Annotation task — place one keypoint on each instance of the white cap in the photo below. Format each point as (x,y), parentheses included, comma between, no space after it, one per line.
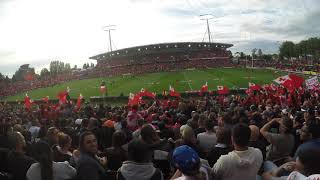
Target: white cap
(78,121)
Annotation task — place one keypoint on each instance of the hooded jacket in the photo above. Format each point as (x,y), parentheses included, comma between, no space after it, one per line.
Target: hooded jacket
(141,171)
(239,165)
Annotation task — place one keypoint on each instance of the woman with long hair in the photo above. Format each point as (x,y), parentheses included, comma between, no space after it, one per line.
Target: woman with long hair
(89,165)
(45,168)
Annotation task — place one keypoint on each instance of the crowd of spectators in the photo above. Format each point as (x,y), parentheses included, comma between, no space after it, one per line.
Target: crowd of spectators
(210,137)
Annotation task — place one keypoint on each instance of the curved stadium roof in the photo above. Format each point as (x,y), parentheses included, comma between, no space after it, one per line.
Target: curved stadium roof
(174,47)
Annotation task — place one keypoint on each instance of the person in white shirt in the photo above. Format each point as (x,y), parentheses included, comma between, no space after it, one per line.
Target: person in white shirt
(207,140)
(45,168)
(242,163)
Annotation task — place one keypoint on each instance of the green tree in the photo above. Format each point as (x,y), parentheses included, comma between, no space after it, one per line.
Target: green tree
(44,73)
(288,50)
(242,55)
(259,52)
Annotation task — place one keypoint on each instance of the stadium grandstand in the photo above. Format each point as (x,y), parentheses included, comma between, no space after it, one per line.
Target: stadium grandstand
(163,57)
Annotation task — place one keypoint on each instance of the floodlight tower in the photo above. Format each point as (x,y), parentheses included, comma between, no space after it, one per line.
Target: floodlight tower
(206,18)
(109,28)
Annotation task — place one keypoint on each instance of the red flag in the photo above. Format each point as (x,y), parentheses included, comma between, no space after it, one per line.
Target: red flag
(282,79)
(296,80)
(142,92)
(145,92)
(45,99)
(204,88)
(172,92)
(103,89)
(267,88)
(134,99)
(249,91)
(62,96)
(79,101)
(27,102)
(254,87)
(290,85)
(150,94)
(222,90)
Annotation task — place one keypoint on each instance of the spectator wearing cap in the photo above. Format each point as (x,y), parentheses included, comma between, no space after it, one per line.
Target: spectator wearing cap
(139,165)
(188,165)
(242,163)
(282,143)
(105,134)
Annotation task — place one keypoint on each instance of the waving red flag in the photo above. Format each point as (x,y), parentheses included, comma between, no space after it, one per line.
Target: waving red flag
(173,93)
(46,99)
(134,99)
(222,90)
(79,101)
(254,87)
(27,102)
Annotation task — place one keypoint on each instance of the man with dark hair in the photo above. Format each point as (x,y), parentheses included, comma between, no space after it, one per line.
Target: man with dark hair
(242,163)
(310,135)
(282,143)
(139,164)
(207,140)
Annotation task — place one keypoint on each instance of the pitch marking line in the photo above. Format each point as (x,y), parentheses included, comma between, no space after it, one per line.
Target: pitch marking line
(188,81)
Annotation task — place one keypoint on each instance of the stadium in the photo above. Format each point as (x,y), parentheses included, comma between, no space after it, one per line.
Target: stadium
(188,64)
(189,110)
(163,57)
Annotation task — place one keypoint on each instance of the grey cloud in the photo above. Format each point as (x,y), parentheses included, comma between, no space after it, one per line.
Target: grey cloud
(304,26)
(267,46)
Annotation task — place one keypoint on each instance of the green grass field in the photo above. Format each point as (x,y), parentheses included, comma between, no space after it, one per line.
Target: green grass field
(184,80)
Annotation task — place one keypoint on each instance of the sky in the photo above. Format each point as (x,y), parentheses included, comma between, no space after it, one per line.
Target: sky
(36,32)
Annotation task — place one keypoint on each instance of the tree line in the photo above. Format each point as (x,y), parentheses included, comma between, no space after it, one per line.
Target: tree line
(305,48)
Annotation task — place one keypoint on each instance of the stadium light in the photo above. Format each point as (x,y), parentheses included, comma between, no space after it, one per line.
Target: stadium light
(206,18)
(109,28)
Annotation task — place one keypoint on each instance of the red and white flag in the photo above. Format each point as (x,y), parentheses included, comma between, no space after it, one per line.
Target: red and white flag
(103,89)
(222,90)
(79,102)
(134,99)
(46,99)
(145,92)
(27,102)
(172,92)
(204,88)
(290,81)
(282,79)
(254,87)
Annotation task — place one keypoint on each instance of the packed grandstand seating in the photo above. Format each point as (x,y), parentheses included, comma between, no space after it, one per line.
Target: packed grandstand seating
(266,134)
(258,136)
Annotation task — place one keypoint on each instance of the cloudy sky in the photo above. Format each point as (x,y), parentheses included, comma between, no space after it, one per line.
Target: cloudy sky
(39,31)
